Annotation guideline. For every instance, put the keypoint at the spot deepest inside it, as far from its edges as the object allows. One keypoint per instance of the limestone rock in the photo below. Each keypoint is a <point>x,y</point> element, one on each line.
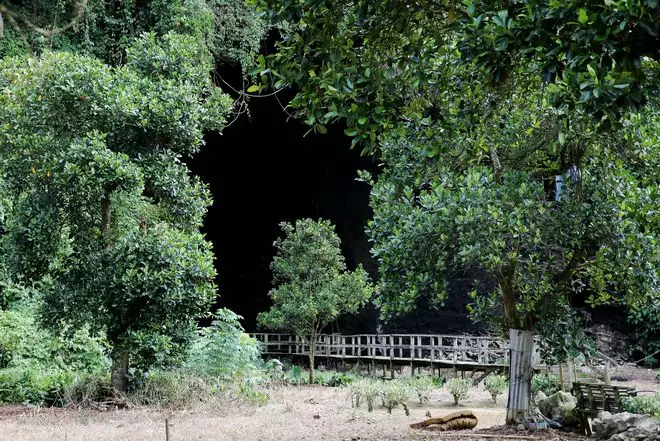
<point>540,396</point>
<point>559,407</point>
<point>626,426</point>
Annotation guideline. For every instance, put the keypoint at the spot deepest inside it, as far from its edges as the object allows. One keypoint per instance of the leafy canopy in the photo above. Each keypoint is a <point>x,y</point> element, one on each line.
<point>104,214</point>
<point>312,285</point>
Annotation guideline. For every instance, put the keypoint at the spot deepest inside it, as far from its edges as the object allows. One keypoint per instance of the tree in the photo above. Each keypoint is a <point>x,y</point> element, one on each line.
<point>312,286</point>
<point>230,29</point>
<point>539,256</point>
<point>423,84</point>
<point>101,102</point>
<point>595,54</point>
<point>105,217</point>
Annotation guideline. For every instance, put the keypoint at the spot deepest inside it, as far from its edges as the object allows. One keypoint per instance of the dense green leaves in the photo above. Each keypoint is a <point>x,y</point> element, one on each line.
<point>312,286</point>
<point>229,29</point>
<point>596,54</point>
<point>103,214</point>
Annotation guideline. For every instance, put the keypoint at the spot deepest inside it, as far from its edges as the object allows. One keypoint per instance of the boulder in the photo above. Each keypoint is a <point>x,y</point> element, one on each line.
<point>559,407</point>
<point>539,396</point>
<point>626,426</point>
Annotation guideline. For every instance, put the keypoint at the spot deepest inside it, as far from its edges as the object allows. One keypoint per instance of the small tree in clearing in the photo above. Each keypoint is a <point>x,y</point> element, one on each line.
<point>312,286</point>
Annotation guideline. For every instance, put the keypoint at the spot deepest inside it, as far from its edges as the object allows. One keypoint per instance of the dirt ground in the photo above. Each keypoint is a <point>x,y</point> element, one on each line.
<point>292,413</point>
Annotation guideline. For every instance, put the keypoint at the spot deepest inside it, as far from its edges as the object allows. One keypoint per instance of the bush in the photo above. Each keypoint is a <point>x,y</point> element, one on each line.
<point>85,390</point>
<point>364,390</point>
<point>296,376</point>
<point>224,351</point>
<point>460,389</point>
<point>332,379</point>
<point>546,383</point>
<point>643,404</point>
<point>33,385</point>
<point>274,370</point>
<point>421,386</point>
<point>175,389</point>
<point>495,385</point>
<point>395,393</point>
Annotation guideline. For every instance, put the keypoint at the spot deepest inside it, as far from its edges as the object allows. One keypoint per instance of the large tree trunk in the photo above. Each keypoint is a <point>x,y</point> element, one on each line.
<point>520,374</point>
<point>120,372</point>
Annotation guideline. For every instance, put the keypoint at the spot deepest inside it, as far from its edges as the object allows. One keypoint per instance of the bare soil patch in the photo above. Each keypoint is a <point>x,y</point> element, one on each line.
<point>292,413</point>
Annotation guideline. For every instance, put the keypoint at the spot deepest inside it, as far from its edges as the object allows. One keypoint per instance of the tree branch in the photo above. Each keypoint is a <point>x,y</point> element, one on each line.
<point>80,8</point>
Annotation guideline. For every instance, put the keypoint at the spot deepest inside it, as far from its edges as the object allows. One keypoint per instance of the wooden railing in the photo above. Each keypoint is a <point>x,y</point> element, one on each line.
<point>441,349</point>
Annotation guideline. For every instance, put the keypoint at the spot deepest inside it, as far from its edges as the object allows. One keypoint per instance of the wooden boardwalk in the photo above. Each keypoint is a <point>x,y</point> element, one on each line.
<point>459,351</point>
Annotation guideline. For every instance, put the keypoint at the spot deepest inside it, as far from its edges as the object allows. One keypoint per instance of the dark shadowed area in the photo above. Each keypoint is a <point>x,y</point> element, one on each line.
<point>263,170</point>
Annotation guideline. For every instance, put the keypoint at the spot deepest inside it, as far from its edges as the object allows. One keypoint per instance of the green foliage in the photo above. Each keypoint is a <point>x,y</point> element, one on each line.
<point>38,365</point>
<point>643,404</point>
<point>239,30</point>
<point>439,381</point>
<point>496,385</point>
<point>432,222</point>
<point>296,376</point>
<point>459,389</point>
<point>333,378</point>
<point>393,394</point>
<point>312,285</point>
<point>597,61</point>
<point>225,351</point>
<point>229,29</point>
<point>364,390</point>
<point>104,212</point>
<point>420,385</point>
<point>546,383</point>
<point>24,344</point>
<point>645,316</point>
<point>174,389</point>
<point>33,385</point>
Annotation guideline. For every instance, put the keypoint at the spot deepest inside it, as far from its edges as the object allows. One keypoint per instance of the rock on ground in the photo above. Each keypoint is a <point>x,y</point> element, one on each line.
<point>559,407</point>
<point>626,426</point>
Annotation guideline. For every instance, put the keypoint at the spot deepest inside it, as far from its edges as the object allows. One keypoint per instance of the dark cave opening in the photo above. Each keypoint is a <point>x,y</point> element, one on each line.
<point>262,170</point>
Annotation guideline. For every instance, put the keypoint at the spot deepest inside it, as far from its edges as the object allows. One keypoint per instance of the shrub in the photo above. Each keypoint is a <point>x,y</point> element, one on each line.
<point>85,390</point>
<point>364,390</point>
<point>495,385</point>
<point>295,376</point>
<point>395,393</point>
<point>421,386</point>
<point>332,379</point>
<point>33,385</point>
<point>546,383</point>
<point>224,351</point>
<point>643,404</point>
<point>176,389</point>
<point>459,388</point>
<point>439,381</point>
<point>274,370</point>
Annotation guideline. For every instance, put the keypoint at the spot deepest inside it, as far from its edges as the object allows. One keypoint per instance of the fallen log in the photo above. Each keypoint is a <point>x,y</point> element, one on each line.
<point>461,420</point>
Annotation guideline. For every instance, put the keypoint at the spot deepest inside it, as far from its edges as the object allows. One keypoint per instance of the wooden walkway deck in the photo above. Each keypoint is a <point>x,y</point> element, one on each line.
<point>473,353</point>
